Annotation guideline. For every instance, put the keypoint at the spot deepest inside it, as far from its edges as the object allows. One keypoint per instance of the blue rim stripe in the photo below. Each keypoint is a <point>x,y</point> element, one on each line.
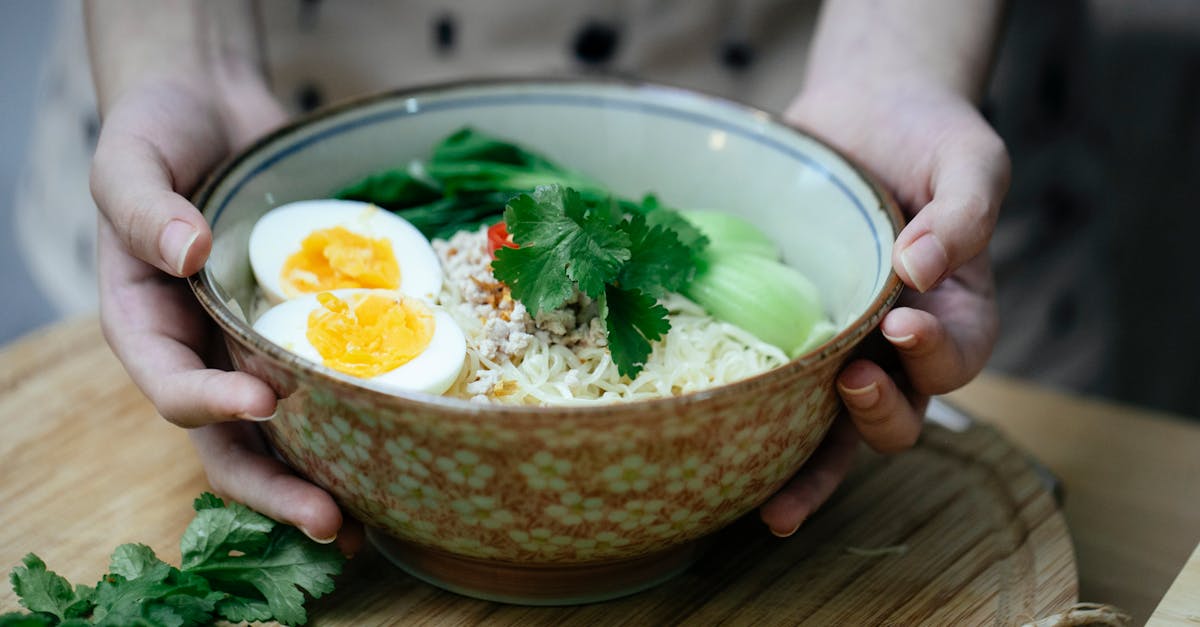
<point>570,100</point>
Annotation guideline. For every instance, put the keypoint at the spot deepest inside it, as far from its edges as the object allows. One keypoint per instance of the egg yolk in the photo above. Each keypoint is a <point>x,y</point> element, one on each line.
<point>379,334</point>
<point>336,258</point>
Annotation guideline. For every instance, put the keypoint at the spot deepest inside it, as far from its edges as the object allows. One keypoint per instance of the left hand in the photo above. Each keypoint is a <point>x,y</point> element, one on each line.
<point>949,171</point>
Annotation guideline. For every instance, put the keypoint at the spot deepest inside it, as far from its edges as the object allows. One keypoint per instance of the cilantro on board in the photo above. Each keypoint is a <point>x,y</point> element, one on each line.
<point>565,243</point>
<point>238,566</point>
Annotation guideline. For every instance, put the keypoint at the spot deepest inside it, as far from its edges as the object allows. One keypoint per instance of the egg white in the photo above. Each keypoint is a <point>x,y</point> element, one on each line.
<point>433,371</point>
<point>278,234</point>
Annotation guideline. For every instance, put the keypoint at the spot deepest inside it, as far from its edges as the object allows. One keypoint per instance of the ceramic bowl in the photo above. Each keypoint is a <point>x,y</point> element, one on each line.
<point>556,505</point>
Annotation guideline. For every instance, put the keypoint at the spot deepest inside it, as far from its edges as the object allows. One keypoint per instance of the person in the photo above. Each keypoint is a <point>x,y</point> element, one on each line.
<point>181,84</point>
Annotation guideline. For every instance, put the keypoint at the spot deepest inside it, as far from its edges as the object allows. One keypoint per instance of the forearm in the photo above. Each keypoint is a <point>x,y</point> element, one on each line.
<point>947,43</point>
<point>206,47</point>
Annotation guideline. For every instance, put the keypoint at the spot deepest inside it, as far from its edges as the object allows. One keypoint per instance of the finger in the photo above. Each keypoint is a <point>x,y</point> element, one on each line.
<point>239,467</point>
<point>887,420</point>
<point>131,183</point>
<point>812,486</point>
<point>944,338</point>
<point>933,362</point>
<point>969,181</point>
<point>194,398</point>
<point>152,324</point>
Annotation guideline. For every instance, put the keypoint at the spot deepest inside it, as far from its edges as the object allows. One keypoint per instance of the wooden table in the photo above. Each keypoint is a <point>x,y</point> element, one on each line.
<point>1131,482</point>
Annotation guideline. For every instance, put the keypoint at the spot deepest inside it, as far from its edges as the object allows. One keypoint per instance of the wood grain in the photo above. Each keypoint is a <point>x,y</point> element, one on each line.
<point>1181,605</point>
<point>1131,479</point>
<point>957,531</point>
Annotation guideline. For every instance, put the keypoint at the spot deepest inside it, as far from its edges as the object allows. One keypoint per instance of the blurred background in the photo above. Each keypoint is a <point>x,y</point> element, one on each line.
<point>1098,101</point>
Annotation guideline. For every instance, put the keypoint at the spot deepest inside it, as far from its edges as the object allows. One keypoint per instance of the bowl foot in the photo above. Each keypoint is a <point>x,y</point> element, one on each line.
<point>535,584</point>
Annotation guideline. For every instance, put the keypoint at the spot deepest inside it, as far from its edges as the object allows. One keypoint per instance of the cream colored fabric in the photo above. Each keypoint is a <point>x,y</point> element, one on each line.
<point>353,47</point>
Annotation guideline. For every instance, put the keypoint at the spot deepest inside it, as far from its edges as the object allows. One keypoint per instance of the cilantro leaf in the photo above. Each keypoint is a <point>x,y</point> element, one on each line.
<point>658,263</point>
<point>561,245</point>
<point>242,610</point>
<point>239,565</point>
<point>16,619</point>
<point>45,591</point>
<point>207,500</point>
<point>633,319</point>
<point>132,561</point>
<point>289,564</point>
<point>161,595</point>
<point>658,214</point>
<point>219,530</point>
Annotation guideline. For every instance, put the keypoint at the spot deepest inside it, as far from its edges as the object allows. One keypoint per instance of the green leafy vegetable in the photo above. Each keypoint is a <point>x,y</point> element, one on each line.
<point>561,244</point>
<point>46,592</point>
<point>633,320</point>
<point>658,215</point>
<point>565,243</point>
<point>727,232</point>
<point>466,183</point>
<point>468,144</point>
<point>774,302</point>
<point>237,566</point>
<point>658,262</point>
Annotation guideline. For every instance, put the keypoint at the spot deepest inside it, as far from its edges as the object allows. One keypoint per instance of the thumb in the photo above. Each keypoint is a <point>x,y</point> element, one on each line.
<point>969,180</point>
<point>132,185</point>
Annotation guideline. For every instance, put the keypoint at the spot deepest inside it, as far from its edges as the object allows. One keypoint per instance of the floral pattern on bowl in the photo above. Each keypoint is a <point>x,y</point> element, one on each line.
<point>561,504</point>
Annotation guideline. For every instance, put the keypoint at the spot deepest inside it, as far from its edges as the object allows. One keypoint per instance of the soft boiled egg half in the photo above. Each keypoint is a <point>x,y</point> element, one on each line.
<point>390,341</point>
<point>312,246</point>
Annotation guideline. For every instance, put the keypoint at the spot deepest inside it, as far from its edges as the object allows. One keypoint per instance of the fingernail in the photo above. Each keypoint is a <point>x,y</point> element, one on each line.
<point>788,533</point>
<point>328,540</point>
<point>904,341</point>
<point>925,260</point>
<point>245,416</point>
<point>863,397</point>
<point>176,240</point>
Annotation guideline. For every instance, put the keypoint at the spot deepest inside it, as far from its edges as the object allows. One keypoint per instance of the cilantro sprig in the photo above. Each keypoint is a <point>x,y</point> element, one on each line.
<point>237,565</point>
<point>566,243</point>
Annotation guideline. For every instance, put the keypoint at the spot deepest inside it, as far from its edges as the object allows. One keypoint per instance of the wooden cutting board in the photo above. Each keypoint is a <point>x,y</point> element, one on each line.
<point>959,530</point>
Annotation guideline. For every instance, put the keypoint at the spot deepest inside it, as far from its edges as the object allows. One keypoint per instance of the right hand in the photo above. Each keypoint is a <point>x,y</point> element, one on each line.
<point>158,141</point>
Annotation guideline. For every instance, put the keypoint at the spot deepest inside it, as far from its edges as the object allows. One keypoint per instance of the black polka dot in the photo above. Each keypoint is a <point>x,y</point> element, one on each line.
<point>445,31</point>
<point>596,43</point>
<point>737,55</point>
<point>309,97</point>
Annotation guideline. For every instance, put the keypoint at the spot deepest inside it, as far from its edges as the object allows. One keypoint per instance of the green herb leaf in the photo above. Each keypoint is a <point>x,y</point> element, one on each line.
<point>561,245</point>
<point>160,596</point>
<point>658,214</point>
<point>633,320</point>
<point>207,500</point>
<point>132,561</point>
<point>243,610</point>
<point>42,590</point>
<point>280,572</point>
<point>658,263</point>
<point>15,619</point>
<point>214,532</point>
<point>240,566</point>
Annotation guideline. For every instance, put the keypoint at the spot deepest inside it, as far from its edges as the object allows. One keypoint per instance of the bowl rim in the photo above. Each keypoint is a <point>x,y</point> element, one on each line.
<point>241,331</point>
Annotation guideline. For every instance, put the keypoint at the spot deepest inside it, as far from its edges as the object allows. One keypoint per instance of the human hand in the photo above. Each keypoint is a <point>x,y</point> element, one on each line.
<point>157,141</point>
<point>949,171</point>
